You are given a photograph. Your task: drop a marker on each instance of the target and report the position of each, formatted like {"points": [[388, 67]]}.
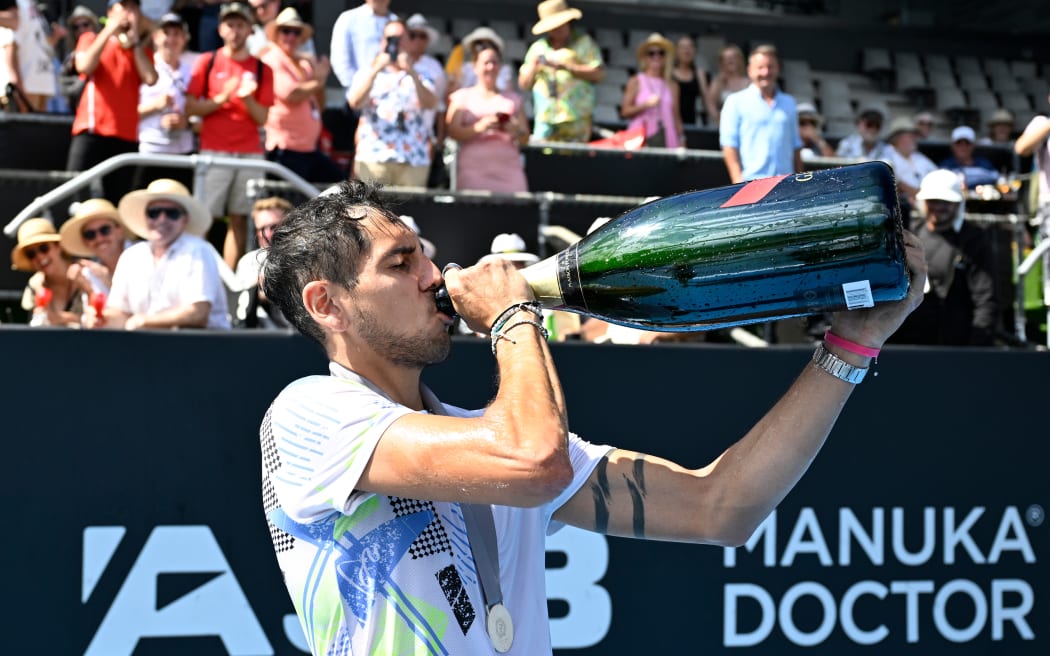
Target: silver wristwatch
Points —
{"points": [[837, 367]]}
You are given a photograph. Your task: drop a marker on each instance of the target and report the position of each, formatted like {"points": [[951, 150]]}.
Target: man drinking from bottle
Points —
{"points": [[407, 514]]}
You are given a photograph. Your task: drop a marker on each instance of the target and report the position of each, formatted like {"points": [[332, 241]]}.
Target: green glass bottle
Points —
{"points": [[769, 249]]}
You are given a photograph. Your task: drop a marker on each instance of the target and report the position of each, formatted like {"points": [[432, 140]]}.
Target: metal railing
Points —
{"points": [[199, 163]]}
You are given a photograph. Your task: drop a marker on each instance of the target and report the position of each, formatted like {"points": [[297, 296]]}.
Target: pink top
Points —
{"points": [[653, 117], [492, 160], [291, 126]]}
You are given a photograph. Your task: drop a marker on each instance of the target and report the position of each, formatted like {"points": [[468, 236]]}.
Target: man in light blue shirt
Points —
{"points": [[356, 36], [758, 130]]}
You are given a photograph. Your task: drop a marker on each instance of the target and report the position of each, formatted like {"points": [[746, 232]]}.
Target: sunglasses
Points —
{"points": [[808, 122], [89, 235], [83, 25], [655, 53], [31, 253], [173, 213], [872, 124], [289, 30], [418, 35]]}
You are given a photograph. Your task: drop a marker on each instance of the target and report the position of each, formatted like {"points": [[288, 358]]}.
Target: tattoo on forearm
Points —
{"points": [[600, 491], [636, 486], [602, 495]]}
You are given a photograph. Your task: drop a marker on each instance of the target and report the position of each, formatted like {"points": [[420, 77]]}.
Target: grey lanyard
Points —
{"points": [[481, 535], [481, 531]]}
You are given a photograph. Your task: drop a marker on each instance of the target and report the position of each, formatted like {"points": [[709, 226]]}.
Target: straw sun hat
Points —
{"points": [[658, 40], [289, 17], [89, 210], [32, 232], [133, 207], [554, 13]]}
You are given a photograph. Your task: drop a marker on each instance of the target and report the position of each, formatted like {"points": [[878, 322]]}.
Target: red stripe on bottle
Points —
{"points": [[753, 191]]}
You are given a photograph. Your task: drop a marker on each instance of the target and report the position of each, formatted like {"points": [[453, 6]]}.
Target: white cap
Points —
{"points": [[511, 246], [964, 132], [941, 184]]}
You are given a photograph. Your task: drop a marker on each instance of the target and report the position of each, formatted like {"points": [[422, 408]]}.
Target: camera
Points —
{"points": [[393, 44]]}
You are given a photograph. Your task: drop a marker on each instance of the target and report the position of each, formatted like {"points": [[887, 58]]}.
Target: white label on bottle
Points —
{"points": [[858, 294]]}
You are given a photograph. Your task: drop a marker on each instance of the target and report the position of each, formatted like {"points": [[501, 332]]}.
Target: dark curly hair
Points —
{"points": [[322, 239]]}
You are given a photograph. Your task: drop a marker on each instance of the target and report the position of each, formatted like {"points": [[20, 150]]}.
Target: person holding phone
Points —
{"points": [[561, 69], [393, 137], [489, 126]]}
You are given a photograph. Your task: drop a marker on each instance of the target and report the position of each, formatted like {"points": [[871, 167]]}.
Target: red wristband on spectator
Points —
{"points": [[852, 347]]}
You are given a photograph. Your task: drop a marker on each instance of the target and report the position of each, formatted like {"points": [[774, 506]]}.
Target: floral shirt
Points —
{"points": [[393, 124], [558, 96]]}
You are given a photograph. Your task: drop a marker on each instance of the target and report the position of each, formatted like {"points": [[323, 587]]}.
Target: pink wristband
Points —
{"points": [[852, 347]]}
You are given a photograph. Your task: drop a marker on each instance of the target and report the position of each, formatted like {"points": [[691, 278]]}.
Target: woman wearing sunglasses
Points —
{"points": [[96, 233], [51, 296], [650, 99], [293, 124]]}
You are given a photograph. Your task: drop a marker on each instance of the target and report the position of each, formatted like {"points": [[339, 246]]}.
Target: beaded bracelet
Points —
{"points": [[852, 347], [504, 317], [502, 334]]}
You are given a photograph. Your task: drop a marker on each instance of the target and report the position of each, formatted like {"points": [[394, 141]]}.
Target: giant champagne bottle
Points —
{"points": [[769, 249]]}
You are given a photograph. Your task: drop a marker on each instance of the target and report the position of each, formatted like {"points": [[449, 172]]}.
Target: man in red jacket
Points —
{"points": [[114, 62]]}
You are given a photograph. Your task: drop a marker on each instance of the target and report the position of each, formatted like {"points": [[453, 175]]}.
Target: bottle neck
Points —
{"points": [[543, 279]]}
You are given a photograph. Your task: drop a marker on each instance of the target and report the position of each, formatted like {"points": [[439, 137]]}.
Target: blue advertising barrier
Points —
{"points": [[135, 522]]}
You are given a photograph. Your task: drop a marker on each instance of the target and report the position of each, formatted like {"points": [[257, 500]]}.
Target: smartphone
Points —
{"points": [[392, 46]]}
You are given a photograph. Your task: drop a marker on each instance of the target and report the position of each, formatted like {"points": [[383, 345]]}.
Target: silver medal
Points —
{"points": [[500, 628]]}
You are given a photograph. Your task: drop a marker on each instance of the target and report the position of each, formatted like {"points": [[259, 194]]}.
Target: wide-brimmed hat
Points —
{"points": [[941, 184], [900, 125], [808, 110], [132, 206], [554, 13], [480, 34], [34, 231], [80, 11], [289, 17], [510, 246], [419, 22], [1004, 116], [236, 9], [89, 210], [655, 39]]}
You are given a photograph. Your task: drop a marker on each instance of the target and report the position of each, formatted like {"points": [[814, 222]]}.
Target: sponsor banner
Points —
{"points": [[138, 526]]}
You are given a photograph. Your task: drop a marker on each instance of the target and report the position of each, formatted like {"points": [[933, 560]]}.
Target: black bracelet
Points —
{"points": [[528, 306], [497, 336]]}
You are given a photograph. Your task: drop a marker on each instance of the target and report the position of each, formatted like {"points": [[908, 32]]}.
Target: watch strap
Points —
{"points": [[828, 362]]}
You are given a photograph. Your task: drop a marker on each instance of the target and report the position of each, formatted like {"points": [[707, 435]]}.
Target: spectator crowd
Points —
{"points": [[247, 81]]}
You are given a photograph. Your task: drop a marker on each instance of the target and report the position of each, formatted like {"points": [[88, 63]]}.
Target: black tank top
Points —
{"points": [[687, 95]]}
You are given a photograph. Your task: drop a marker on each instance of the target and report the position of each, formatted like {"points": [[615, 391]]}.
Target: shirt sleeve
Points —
{"points": [[118, 298], [342, 52], [326, 430], [584, 457], [729, 124]]}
